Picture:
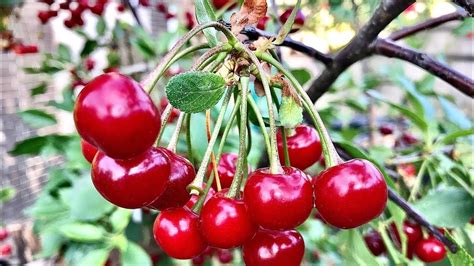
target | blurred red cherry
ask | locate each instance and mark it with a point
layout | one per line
(88, 150)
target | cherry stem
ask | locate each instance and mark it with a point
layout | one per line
(164, 122)
(283, 131)
(330, 155)
(261, 123)
(213, 157)
(234, 189)
(187, 51)
(189, 143)
(175, 137)
(200, 63)
(228, 127)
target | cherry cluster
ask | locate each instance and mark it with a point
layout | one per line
(75, 9)
(9, 43)
(427, 249)
(5, 249)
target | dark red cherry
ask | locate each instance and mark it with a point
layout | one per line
(299, 19)
(133, 183)
(6, 250)
(43, 16)
(225, 255)
(408, 139)
(278, 201)
(304, 147)
(88, 150)
(386, 130)
(21, 49)
(120, 7)
(89, 64)
(161, 7)
(412, 232)
(116, 115)
(274, 248)
(3, 233)
(262, 23)
(190, 21)
(218, 4)
(225, 222)
(177, 232)
(181, 175)
(430, 250)
(97, 9)
(375, 243)
(225, 169)
(350, 194)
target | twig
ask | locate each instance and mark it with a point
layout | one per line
(134, 12)
(451, 76)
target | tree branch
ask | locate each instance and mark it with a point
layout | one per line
(451, 76)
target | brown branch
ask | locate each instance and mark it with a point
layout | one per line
(459, 14)
(444, 72)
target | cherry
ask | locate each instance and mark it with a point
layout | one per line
(412, 232)
(120, 7)
(386, 130)
(6, 250)
(88, 150)
(408, 139)
(430, 250)
(190, 23)
(304, 147)
(375, 243)
(3, 234)
(182, 173)
(278, 201)
(350, 194)
(274, 248)
(299, 19)
(145, 3)
(65, 5)
(116, 115)
(194, 198)
(89, 64)
(97, 9)
(225, 169)
(177, 232)
(20, 49)
(162, 8)
(43, 16)
(69, 23)
(262, 23)
(133, 183)
(222, 216)
(225, 256)
(218, 4)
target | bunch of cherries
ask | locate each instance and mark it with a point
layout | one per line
(119, 124)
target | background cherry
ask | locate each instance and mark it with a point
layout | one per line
(278, 201)
(225, 222)
(412, 232)
(218, 4)
(304, 147)
(274, 248)
(116, 115)
(177, 232)
(182, 173)
(3, 233)
(133, 183)
(88, 150)
(225, 255)
(299, 19)
(430, 250)
(350, 194)
(6, 250)
(225, 169)
(375, 243)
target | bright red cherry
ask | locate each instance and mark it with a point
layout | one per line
(304, 147)
(21, 49)
(299, 19)
(3, 234)
(375, 243)
(222, 216)
(225, 169)
(6, 250)
(274, 248)
(218, 4)
(412, 232)
(133, 183)
(116, 115)
(278, 201)
(88, 150)
(350, 194)
(182, 173)
(430, 250)
(177, 232)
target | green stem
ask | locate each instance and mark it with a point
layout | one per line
(189, 143)
(228, 127)
(174, 139)
(330, 155)
(222, 48)
(234, 189)
(419, 178)
(221, 11)
(185, 52)
(213, 64)
(164, 122)
(286, 154)
(261, 123)
(249, 138)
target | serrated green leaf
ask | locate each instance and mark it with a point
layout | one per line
(205, 13)
(461, 257)
(195, 92)
(35, 145)
(120, 219)
(286, 28)
(37, 118)
(82, 232)
(291, 113)
(40, 89)
(135, 255)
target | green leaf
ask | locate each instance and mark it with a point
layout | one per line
(82, 232)
(302, 75)
(95, 258)
(462, 257)
(144, 43)
(195, 92)
(40, 89)
(286, 28)
(205, 13)
(101, 26)
(356, 252)
(120, 219)
(35, 145)
(447, 207)
(89, 47)
(67, 104)
(453, 114)
(113, 59)
(465, 27)
(420, 102)
(291, 113)
(86, 203)
(51, 242)
(46, 207)
(37, 118)
(451, 137)
(135, 255)
(6, 194)
(64, 53)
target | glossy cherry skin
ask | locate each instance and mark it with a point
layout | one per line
(375, 243)
(225, 222)
(177, 232)
(412, 233)
(133, 183)
(194, 198)
(299, 19)
(116, 115)
(278, 201)
(430, 250)
(88, 150)
(304, 147)
(225, 169)
(350, 194)
(274, 248)
(182, 173)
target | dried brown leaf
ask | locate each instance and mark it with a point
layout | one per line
(250, 13)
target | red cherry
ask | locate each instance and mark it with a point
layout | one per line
(177, 232)
(97, 9)
(182, 173)
(69, 23)
(116, 115)
(48, 2)
(194, 198)
(169, 15)
(21, 49)
(412, 232)
(299, 19)
(120, 7)
(190, 23)
(278, 201)
(430, 250)
(408, 139)
(145, 3)
(174, 112)
(225, 256)
(43, 16)
(3, 234)
(88, 150)
(225, 169)
(52, 13)
(386, 130)
(6, 250)
(162, 8)
(350, 194)
(375, 243)
(261, 25)
(274, 248)
(304, 147)
(132, 183)
(218, 4)
(90, 63)
(65, 5)
(222, 216)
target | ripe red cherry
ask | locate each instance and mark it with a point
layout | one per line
(430, 250)
(133, 183)
(274, 248)
(225, 256)
(375, 243)
(386, 130)
(90, 63)
(304, 147)
(116, 115)
(177, 232)
(190, 23)
(181, 175)
(412, 232)
(88, 150)
(350, 194)
(3, 234)
(194, 198)
(97, 9)
(299, 19)
(6, 250)
(225, 169)
(262, 23)
(120, 7)
(222, 216)
(43, 16)
(278, 201)
(20, 49)
(218, 4)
